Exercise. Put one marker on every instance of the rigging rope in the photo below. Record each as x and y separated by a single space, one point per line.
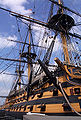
66 8
68 100
18 29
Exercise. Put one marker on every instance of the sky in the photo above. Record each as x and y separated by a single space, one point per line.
38 9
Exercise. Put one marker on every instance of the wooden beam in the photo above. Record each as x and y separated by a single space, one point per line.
16 60
40 22
26 43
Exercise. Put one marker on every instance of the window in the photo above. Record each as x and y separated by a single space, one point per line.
77 90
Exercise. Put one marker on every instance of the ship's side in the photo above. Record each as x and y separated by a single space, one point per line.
45 98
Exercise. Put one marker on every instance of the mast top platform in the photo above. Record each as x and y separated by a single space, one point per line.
62 22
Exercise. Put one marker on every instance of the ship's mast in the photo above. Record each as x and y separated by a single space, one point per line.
28 55
64 41
59 1
65 49
29 51
20 68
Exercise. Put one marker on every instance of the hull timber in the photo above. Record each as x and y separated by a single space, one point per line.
45 98
45 101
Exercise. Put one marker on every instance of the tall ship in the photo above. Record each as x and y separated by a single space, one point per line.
53 77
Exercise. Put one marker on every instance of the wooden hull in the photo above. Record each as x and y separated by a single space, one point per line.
47 99
48 104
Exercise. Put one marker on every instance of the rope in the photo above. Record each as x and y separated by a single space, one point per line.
68 100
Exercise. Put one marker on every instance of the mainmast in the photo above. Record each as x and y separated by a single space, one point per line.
63 23
65 49
64 41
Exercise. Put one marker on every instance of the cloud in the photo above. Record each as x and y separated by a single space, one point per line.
46 41
5 84
6 78
16 5
76 29
39 32
3 92
5 43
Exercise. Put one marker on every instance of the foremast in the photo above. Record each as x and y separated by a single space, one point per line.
29 52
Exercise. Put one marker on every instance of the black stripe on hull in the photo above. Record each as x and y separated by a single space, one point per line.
52 100
19 115
64 85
